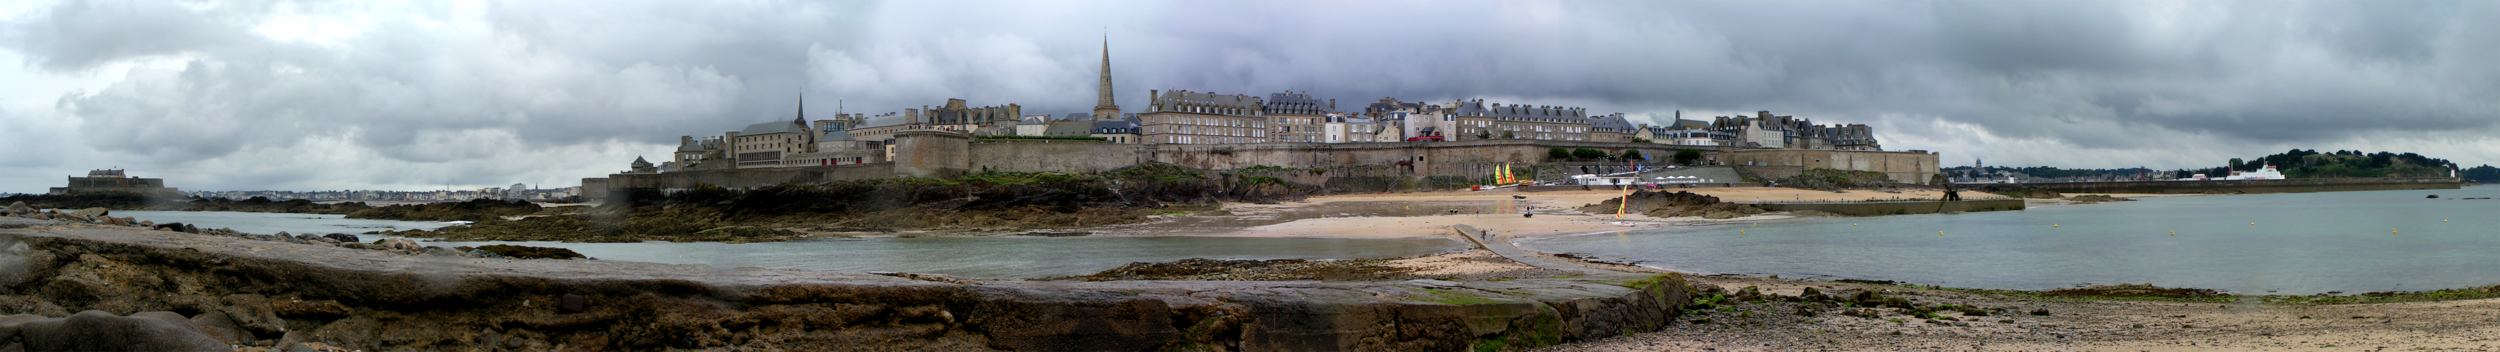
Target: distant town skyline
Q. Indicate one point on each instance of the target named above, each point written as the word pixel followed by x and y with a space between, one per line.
pixel 427 95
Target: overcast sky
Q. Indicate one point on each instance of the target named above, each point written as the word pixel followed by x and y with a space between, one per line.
pixel 324 95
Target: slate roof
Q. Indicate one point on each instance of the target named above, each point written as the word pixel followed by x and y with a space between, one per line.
pixel 831 136
pixel 1611 121
pixel 771 128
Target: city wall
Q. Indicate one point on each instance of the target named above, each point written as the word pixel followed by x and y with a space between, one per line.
pixel 1038 155
pixel 739 178
pixel 1911 167
pixel 2231 187
pixel 1344 167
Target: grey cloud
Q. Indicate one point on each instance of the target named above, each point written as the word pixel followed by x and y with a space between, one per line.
pixel 444 85
pixel 76 35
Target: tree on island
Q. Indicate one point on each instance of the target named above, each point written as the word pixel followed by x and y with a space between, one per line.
pixel 2483 174
pixel 1588 154
pixel 1558 154
pixel 1630 155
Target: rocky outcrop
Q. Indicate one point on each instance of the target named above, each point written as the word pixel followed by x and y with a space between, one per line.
pixel 376 300
pixel 1672 204
pixel 100 331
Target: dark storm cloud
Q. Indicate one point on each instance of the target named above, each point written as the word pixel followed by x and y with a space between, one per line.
pixel 496 88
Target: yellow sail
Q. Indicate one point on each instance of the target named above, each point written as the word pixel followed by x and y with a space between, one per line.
pixel 1501 174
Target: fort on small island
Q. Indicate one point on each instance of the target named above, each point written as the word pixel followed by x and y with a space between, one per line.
pixel 115 182
pixel 1429 145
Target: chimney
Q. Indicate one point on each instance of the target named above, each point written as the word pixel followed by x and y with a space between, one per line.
pixel 685 140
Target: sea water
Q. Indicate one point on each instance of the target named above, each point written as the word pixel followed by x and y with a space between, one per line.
pixel 997 257
pixel 2293 244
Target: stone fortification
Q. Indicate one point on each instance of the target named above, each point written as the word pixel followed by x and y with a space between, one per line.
pixel 1402 165
pixel 1909 167
pixel 383 300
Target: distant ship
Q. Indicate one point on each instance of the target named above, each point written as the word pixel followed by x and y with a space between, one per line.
pixel 2262 173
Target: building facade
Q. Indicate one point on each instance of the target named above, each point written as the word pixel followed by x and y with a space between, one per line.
pixel 1477 120
pixel 1296 117
pixel 1185 117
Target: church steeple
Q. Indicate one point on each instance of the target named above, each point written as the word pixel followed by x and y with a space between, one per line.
pixel 1104 108
pixel 802 119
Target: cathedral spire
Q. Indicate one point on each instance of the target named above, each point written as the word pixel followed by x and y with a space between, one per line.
pixel 1104 108
pixel 802 119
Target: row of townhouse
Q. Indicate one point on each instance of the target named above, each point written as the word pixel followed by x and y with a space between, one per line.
pixel 1188 117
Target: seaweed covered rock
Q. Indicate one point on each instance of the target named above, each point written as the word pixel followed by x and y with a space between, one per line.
pixel 1834 180
pixel 528 252
pixel 1674 204
pixel 473 210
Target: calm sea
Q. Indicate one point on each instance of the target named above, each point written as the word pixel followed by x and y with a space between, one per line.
pixel 1000 257
pixel 2304 243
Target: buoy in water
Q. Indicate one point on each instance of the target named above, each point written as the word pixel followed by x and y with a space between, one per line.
pixel 2252 224
pixel 1939 233
pixel 2174 232
pixel 2052 225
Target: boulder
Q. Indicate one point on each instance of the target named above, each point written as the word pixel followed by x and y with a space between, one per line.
pixel 115 221
pixel 20 208
pixel 344 238
pixel 218 325
pixel 100 331
pixel 401 244
pixel 92 213
pixel 255 314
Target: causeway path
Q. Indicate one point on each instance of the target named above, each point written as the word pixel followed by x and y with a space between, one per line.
pixel 1507 250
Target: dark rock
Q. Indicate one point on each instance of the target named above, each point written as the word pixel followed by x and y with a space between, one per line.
pixel 528 252
pixel 100 331
pixel 171 226
pixel 344 238
pixel 572 303
pixel 223 328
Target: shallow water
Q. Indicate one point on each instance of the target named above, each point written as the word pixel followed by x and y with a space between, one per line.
pixel 1001 257
pixel 270 223
pixel 2303 243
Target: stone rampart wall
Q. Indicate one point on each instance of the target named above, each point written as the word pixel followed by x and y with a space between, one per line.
pixel 1903 167
pixel 745 178
pixel 1039 155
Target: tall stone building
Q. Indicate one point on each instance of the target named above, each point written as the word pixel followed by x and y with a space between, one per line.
pixel 1104 107
pixel 1477 121
pixel 764 144
pixel 1296 117
pixel 1185 117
